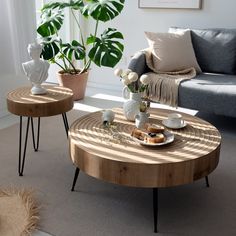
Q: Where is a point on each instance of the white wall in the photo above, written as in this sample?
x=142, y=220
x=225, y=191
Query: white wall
x=134, y=21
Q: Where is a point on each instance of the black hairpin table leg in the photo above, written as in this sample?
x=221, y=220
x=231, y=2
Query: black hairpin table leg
x=207, y=181
x=155, y=208
x=65, y=123
x=22, y=157
x=35, y=145
x=35, y=139
x=75, y=178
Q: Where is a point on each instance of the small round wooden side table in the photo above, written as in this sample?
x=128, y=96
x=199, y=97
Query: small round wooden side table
x=57, y=100
x=193, y=154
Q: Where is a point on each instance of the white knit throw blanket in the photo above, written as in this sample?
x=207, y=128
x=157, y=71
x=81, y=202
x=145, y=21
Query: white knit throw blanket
x=164, y=86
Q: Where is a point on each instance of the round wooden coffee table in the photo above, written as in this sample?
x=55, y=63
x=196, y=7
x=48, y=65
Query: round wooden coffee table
x=193, y=154
x=57, y=100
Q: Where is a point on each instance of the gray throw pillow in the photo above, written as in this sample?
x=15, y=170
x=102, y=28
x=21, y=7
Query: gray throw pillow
x=215, y=49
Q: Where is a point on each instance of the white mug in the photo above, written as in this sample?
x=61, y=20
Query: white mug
x=175, y=119
x=107, y=117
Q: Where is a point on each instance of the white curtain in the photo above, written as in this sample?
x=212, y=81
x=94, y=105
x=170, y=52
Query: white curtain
x=18, y=29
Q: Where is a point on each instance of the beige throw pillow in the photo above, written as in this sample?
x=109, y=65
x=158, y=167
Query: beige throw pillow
x=172, y=52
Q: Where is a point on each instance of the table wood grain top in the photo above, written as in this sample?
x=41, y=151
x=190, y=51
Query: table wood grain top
x=193, y=154
x=57, y=100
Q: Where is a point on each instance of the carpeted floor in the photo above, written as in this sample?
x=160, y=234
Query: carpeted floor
x=98, y=208
x=40, y=233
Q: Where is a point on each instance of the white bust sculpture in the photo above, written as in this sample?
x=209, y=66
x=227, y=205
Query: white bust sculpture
x=36, y=69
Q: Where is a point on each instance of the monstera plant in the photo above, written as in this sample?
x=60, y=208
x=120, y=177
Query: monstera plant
x=104, y=50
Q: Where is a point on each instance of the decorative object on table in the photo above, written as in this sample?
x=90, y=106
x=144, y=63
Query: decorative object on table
x=159, y=140
x=36, y=69
x=132, y=91
x=111, y=135
x=131, y=106
x=142, y=117
x=107, y=117
x=104, y=50
x=110, y=131
x=19, y=212
x=152, y=135
x=174, y=121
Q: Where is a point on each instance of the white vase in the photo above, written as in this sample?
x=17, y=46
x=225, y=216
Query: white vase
x=141, y=119
x=132, y=106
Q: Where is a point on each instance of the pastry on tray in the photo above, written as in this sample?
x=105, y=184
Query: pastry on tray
x=152, y=128
x=138, y=133
x=152, y=134
x=154, y=138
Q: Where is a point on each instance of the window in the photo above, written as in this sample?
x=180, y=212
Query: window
x=65, y=33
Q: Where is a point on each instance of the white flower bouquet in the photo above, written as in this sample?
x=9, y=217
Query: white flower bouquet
x=129, y=79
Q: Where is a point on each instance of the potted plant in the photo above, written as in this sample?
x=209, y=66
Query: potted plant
x=104, y=50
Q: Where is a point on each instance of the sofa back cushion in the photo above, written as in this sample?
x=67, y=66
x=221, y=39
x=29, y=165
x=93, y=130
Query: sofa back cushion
x=172, y=52
x=215, y=49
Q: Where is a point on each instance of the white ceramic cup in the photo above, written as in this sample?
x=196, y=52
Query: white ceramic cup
x=175, y=119
x=108, y=116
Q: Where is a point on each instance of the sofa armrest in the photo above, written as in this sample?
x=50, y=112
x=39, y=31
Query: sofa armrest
x=138, y=63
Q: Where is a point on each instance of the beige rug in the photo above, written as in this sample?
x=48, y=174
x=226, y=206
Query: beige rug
x=18, y=212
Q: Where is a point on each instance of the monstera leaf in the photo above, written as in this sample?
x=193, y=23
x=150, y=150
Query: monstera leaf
x=73, y=4
x=50, y=49
x=76, y=5
x=103, y=10
x=51, y=22
x=74, y=50
x=106, y=51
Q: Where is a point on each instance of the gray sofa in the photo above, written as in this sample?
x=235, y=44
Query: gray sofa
x=214, y=90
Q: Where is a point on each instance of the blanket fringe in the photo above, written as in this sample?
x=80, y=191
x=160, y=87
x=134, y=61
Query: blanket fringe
x=164, y=86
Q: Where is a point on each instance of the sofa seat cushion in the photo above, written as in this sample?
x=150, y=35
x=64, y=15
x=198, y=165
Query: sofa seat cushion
x=214, y=93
